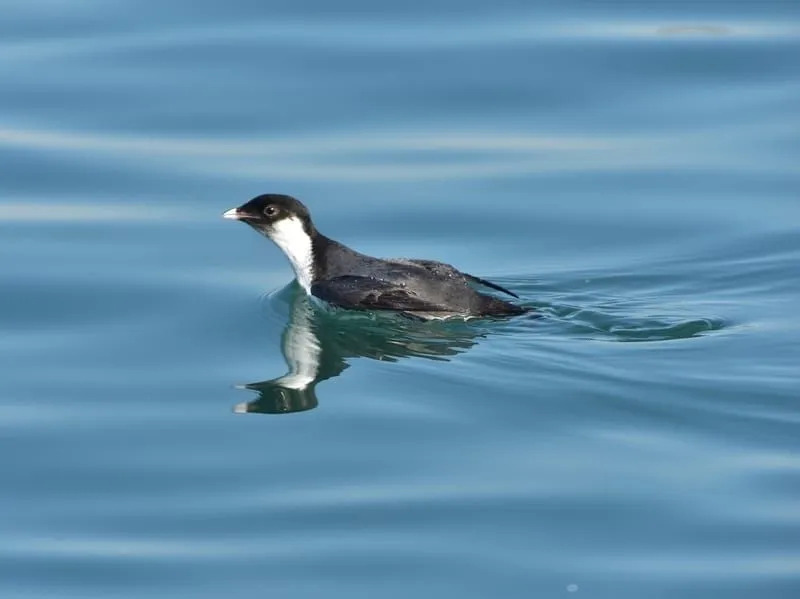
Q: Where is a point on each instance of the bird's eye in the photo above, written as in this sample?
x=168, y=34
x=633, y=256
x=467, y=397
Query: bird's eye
x=270, y=210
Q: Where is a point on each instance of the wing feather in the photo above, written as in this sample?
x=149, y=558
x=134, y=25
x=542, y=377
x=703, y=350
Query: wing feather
x=445, y=269
x=367, y=293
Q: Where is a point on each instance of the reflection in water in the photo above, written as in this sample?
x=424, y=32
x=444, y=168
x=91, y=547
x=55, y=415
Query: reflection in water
x=317, y=345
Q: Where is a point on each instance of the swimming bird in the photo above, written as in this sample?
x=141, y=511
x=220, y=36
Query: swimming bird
x=333, y=273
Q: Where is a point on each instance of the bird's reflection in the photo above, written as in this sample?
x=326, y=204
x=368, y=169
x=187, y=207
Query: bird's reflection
x=318, y=344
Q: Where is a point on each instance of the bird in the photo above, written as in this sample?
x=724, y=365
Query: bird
x=337, y=276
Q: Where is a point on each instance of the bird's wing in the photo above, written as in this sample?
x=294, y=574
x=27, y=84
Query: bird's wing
x=370, y=294
x=441, y=267
x=486, y=283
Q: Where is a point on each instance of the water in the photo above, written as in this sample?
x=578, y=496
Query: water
x=629, y=169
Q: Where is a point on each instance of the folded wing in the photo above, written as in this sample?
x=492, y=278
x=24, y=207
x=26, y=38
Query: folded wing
x=441, y=268
x=371, y=294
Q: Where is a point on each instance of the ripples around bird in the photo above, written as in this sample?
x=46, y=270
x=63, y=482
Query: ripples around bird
x=318, y=343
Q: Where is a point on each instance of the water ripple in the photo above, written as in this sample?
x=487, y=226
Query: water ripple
x=406, y=34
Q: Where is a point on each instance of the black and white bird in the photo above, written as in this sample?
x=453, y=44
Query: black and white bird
x=341, y=277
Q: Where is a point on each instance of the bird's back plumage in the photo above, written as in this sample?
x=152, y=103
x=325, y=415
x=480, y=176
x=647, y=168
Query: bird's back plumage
x=351, y=279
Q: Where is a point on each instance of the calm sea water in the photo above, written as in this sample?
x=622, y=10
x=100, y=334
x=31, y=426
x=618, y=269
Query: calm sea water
x=177, y=421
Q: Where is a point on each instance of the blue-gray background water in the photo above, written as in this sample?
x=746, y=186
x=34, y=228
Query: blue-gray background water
x=629, y=168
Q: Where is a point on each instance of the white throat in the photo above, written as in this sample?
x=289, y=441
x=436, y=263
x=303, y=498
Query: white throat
x=289, y=235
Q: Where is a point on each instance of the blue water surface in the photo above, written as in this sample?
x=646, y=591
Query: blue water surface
x=176, y=420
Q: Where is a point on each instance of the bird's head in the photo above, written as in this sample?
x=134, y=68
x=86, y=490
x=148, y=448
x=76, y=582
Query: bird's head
x=285, y=221
x=274, y=215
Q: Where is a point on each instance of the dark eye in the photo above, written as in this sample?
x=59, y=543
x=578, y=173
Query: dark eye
x=270, y=210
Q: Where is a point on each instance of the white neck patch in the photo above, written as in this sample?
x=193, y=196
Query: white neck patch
x=289, y=235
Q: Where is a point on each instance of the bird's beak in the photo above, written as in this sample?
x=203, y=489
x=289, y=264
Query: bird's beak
x=233, y=213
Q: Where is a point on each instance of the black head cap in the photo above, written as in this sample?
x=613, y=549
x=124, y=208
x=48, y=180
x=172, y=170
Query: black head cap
x=263, y=211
